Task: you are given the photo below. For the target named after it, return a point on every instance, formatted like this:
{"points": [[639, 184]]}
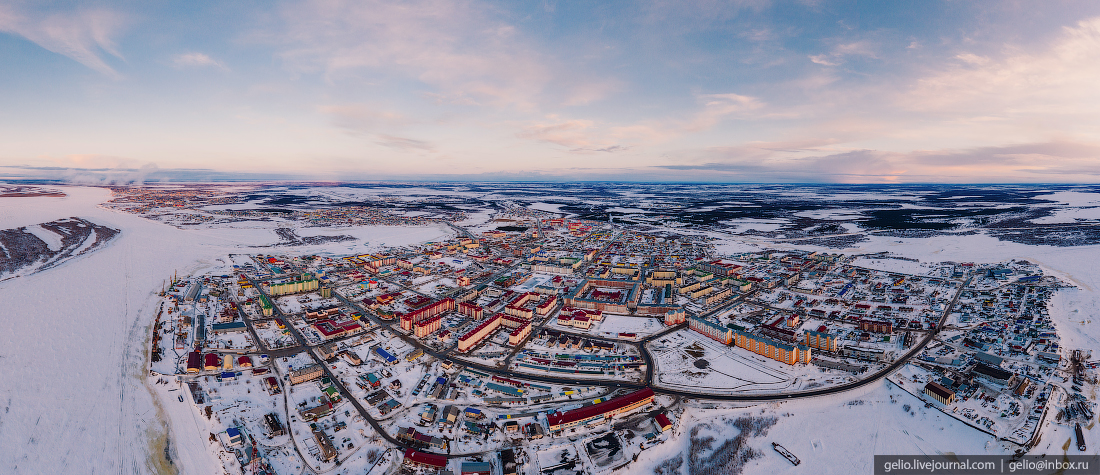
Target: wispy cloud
{"points": [[1035, 162], [839, 53], [467, 53], [195, 60], [720, 106], [404, 143], [590, 136], [570, 133], [608, 149], [1055, 85], [382, 126], [85, 36]]}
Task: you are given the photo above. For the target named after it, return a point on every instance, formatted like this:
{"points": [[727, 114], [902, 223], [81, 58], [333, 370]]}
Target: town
{"points": [[535, 344]]}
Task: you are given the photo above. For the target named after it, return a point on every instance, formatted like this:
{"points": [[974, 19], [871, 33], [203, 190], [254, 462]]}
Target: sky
{"points": [[709, 91]]}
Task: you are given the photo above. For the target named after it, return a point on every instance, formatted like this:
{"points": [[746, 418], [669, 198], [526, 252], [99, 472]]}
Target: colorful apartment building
{"points": [[675, 317], [876, 326], [787, 353], [821, 340], [302, 283], [712, 330], [424, 328], [479, 333], [424, 313]]}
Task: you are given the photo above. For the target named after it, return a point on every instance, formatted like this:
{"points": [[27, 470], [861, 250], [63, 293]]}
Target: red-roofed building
{"points": [[194, 361], [470, 310], [600, 412], [331, 330], [479, 333], [662, 422], [519, 334], [426, 460], [211, 361], [424, 313], [545, 307], [427, 327], [721, 268]]}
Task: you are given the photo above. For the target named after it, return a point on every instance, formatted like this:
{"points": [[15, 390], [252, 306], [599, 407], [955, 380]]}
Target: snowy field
{"points": [[57, 416], [687, 360], [613, 325], [1075, 265], [831, 435]]}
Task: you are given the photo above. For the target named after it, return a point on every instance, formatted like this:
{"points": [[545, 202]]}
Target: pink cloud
{"points": [[82, 35], [465, 51]]}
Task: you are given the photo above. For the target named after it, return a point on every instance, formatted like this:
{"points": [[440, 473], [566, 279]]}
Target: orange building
{"points": [[769, 348], [675, 317], [424, 328], [821, 340]]}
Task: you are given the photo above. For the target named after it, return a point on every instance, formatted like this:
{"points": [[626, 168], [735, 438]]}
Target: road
{"points": [[303, 343], [693, 394], [647, 380]]}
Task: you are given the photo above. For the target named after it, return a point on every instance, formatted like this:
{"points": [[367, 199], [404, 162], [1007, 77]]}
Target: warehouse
{"points": [[599, 412]]}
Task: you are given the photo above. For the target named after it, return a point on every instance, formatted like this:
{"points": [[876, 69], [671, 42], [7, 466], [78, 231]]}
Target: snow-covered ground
{"points": [[73, 347], [1075, 265], [831, 435], [73, 341]]}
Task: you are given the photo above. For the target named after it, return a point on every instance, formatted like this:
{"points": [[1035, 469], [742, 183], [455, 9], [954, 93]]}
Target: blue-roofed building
{"points": [[228, 327], [385, 355], [472, 428], [509, 390], [234, 437], [476, 468]]}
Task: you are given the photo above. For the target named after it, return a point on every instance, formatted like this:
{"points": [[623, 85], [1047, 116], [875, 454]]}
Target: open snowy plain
{"points": [[73, 340], [73, 348]]}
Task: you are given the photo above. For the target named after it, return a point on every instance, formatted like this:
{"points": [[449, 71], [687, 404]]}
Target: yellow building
{"points": [[943, 395], [719, 296], [302, 283]]}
